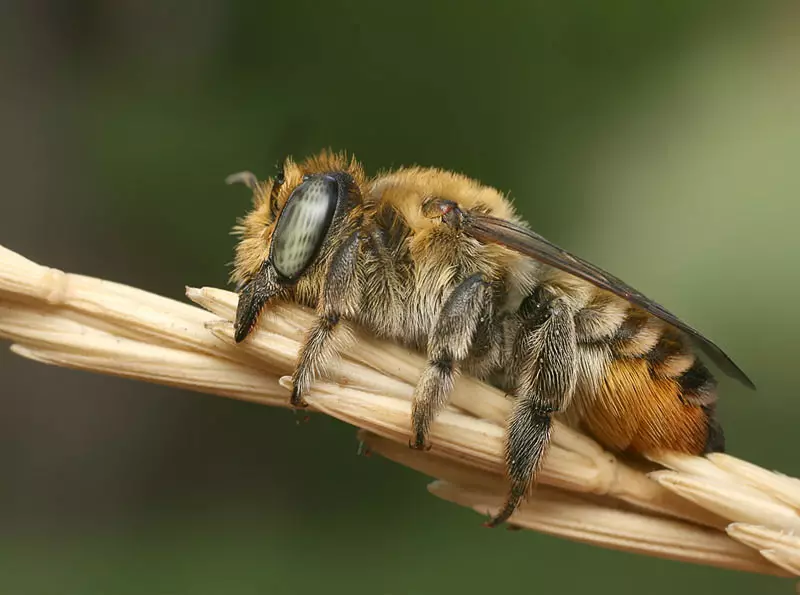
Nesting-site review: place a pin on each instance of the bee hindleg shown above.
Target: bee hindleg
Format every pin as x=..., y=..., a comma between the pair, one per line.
x=545, y=352
x=449, y=343
x=340, y=296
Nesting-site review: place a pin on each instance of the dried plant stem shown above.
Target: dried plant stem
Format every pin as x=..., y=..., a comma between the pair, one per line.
x=717, y=510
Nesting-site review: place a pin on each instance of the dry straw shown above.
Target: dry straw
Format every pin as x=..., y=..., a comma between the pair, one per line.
x=717, y=510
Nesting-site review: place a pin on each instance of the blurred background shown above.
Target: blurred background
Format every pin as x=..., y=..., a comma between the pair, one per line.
x=659, y=140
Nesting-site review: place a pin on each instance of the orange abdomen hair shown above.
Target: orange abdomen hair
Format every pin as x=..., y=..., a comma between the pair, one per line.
x=635, y=411
x=653, y=393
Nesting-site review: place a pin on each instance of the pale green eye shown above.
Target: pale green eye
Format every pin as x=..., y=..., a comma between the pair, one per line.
x=303, y=225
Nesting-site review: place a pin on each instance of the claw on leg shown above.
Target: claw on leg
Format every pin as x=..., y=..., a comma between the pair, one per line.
x=419, y=443
x=504, y=514
x=297, y=401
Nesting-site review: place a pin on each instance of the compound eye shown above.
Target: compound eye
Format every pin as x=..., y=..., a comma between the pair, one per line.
x=303, y=225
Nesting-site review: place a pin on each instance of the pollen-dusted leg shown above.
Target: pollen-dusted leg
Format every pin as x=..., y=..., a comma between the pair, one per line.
x=545, y=357
x=340, y=297
x=448, y=344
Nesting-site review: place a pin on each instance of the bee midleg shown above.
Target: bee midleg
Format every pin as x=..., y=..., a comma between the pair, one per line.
x=545, y=357
x=448, y=344
x=340, y=295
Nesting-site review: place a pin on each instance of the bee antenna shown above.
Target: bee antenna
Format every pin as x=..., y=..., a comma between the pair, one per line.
x=247, y=178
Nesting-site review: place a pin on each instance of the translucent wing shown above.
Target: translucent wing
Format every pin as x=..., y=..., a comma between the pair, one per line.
x=488, y=229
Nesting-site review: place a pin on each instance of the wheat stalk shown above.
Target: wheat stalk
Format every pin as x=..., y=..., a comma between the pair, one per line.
x=716, y=510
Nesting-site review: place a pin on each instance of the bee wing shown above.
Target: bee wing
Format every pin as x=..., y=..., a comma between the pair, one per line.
x=488, y=229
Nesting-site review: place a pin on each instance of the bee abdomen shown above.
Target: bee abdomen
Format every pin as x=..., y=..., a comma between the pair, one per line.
x=698, y=385
x=655, y=394
x=670, y=357
x=673, y=357
x=669, y=354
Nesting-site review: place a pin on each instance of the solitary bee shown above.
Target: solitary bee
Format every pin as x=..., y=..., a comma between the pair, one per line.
x=442, y=264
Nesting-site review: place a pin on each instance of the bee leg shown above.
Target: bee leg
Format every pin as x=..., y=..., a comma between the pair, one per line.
x=544, y=355
x=448, y=344
x=340, y=296
x=253, y=296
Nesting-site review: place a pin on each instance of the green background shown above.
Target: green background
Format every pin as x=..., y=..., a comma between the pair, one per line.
x=658, y=139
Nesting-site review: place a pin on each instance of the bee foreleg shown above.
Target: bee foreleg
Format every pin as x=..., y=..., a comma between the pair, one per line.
x=448, y=344
x=340, y=296
x=545, y=354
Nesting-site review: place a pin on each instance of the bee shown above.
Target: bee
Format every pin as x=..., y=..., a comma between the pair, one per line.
x=442, y=264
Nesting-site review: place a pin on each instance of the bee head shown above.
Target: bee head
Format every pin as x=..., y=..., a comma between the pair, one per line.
x=295, y=215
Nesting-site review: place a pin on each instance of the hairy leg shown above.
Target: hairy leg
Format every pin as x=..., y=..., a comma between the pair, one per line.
x=544, y=355
x=340, y=296
x=448, y=344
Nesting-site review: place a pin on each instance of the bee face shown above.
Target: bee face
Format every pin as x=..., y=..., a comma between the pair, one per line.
x=439, y=263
